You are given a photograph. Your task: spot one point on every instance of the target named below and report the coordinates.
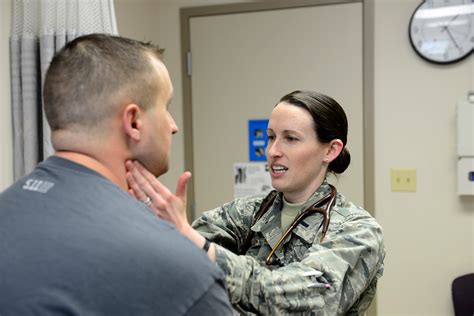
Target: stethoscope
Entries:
(322, 206)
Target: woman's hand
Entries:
(168, 206)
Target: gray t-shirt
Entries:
(73, 243)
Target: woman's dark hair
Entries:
(330, 122)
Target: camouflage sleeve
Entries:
(229, 224)
(258, 289)
(350, 257)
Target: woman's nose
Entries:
(273, 149)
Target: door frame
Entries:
(187, 13)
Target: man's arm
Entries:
(214, 302)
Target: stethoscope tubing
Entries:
(328, 200)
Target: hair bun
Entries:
(340, 164)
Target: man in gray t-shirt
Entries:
(72, 241)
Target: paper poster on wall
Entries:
(257, 140)
(251, 178)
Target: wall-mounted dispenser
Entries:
(465, 117)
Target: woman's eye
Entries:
(291, 138)
(271, 137)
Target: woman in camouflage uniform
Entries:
(319, 265)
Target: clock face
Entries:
(441, 31)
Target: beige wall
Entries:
(428, 234)
(6, 149)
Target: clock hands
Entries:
(452, 20)
(452, 38)
(445, 28)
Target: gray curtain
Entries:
(40, 28)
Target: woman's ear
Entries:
(333, 150)
(132, 123)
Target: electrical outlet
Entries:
(403, 180)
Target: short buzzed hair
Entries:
(93, 75)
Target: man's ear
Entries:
(333, 150)
(132, 121)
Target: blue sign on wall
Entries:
(257, 139)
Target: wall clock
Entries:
(441, 31)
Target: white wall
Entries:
(6, 147)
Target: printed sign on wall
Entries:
(251, 178)
(257, 140)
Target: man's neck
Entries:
(115, 172)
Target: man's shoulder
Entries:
(54, 173)
(52, 187)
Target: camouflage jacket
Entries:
(350, 258)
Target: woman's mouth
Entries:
(278, 169)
